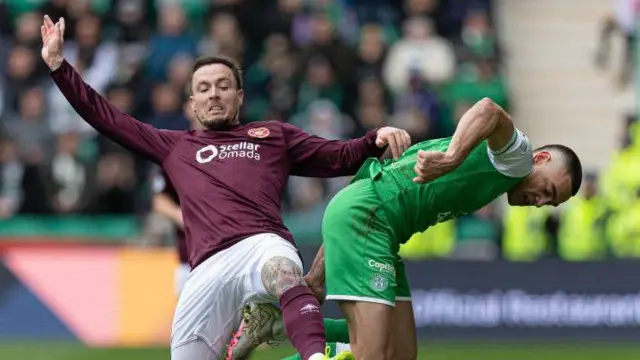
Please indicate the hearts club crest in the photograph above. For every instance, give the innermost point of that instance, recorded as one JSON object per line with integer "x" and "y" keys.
{"x": 260, "y": 133}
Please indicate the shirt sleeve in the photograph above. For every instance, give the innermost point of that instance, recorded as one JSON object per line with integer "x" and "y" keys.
{"x": 314, "y": 156}
{"x": 516, "y": 158}
{"x": 141, "y": 138}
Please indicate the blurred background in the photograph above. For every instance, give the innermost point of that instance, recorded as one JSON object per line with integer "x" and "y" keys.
{"x": 87, "y": 266}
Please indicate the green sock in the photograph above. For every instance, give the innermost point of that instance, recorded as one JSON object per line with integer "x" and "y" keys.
{"x": 332, "y": 345}
{"x": 293, "y": 357}
{"x": 336, "y": 330}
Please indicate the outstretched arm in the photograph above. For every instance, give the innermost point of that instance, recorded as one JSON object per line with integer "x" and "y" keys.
{"x": 486, "y": 120}
{"x": 317, "y": 157}
{"x": 120, "y": 127}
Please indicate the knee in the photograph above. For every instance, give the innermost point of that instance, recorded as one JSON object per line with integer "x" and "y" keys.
{"x": 280, "y": 274}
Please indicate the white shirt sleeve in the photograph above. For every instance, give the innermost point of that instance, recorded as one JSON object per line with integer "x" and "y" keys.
{"x": 516, "y": 158}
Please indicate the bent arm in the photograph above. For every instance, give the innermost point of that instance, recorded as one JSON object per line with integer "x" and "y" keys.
{"x": 120, "y": 127}
{"x": 317, "y": 157}
{"x": 486, "y": 120}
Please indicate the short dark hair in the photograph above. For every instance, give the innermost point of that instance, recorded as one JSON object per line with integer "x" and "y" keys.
{"x": 233, "y": 65}
{"x": 571, "y": 162}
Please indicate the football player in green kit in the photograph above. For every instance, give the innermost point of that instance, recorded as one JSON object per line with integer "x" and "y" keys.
{"x": 433, "y": 181}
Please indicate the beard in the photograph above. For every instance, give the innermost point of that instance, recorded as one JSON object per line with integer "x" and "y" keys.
{"x": 220, "y": 123}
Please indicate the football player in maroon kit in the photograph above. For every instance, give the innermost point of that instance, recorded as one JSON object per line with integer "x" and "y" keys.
{"x": 229, "y": 179}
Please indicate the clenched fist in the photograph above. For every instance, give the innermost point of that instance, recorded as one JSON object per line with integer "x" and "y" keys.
{"x": 431, "y": 165}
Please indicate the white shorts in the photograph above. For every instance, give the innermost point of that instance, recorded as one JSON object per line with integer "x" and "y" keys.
{"x": 210, "y": 306}
{"x": 182, "y": 273}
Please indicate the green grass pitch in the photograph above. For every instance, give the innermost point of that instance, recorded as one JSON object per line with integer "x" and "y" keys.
{"x": 435, "y": 351}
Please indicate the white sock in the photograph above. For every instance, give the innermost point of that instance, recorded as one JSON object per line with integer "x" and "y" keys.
{"x": 317, "y": 356}
{"x": 342, "y": 347}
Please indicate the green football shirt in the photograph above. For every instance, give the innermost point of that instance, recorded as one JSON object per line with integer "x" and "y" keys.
{"x": 481, "y": 178}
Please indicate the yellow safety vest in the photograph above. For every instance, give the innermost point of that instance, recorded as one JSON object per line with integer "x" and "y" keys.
{"x": 623, "y": 232}
{"x": 581, "y": 235}
{"x": 437, "y": 241}
{"x": 524, "y": 237}
{"x": 621, "y": 182}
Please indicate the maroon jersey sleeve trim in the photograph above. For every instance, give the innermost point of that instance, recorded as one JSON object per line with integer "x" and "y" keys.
{"x": 120, "y": 127}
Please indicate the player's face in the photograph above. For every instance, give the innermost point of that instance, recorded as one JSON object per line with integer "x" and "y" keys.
{"x": 548, "y": 184}
{"x": 215, "y": 98}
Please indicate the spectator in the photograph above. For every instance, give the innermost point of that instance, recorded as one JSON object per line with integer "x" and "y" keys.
{"x": 582, "y": 225}
{"x": 97, "y": 60}
{"x": 167, "y": 109}
{"x": 422, "y": 101}
{"x": 371, "y": 51}
{"x": 68, "y": 176}
{"x": 11, "y": 172}
{"x": 114, "y": 189}
{"x": 623, "y": 22}
{"x": 179, "y": 73}
{"x": 419, "y": 51}
{"x": 269, "y": 82}
{"x": 27, "y": 32}
{"x": 478, "y": 38}
{"x": 478, "y": 235}
{"x": 224, "y": 37}
{"x": 371, "y": 110}
{"x": 320, "y": 83}
{"x": 28, "y": 127}
{"x": 130, "y": 27}
{"x": 173, "y": 38}
{"x": 475, "y": 81}
{"x": 19, "y": 76}
{"x": 324, "y": 43}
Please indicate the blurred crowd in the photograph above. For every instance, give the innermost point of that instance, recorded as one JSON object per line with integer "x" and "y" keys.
{"x": 336, "y": 68}
{"x": 333, "y": 67}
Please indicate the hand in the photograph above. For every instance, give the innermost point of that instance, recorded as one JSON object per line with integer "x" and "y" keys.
{"x": 432, "y": 164}
{"x": 52, "y": 37}
{"x": 398, "y": 140}
{"x": 316, "y": 287}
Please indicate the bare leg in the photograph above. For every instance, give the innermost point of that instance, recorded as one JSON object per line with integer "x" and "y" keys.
{"x": 403, "y": 337}
{"x": 369, "y": 329}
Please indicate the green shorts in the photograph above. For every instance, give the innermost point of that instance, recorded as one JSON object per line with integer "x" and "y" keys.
{"x": 361, "y": 252}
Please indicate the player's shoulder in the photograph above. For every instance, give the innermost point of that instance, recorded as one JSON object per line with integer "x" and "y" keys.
{"x": 176, "y": 133}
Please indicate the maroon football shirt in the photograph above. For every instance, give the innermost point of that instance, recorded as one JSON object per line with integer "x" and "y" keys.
{"x": 230, "y": 182}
